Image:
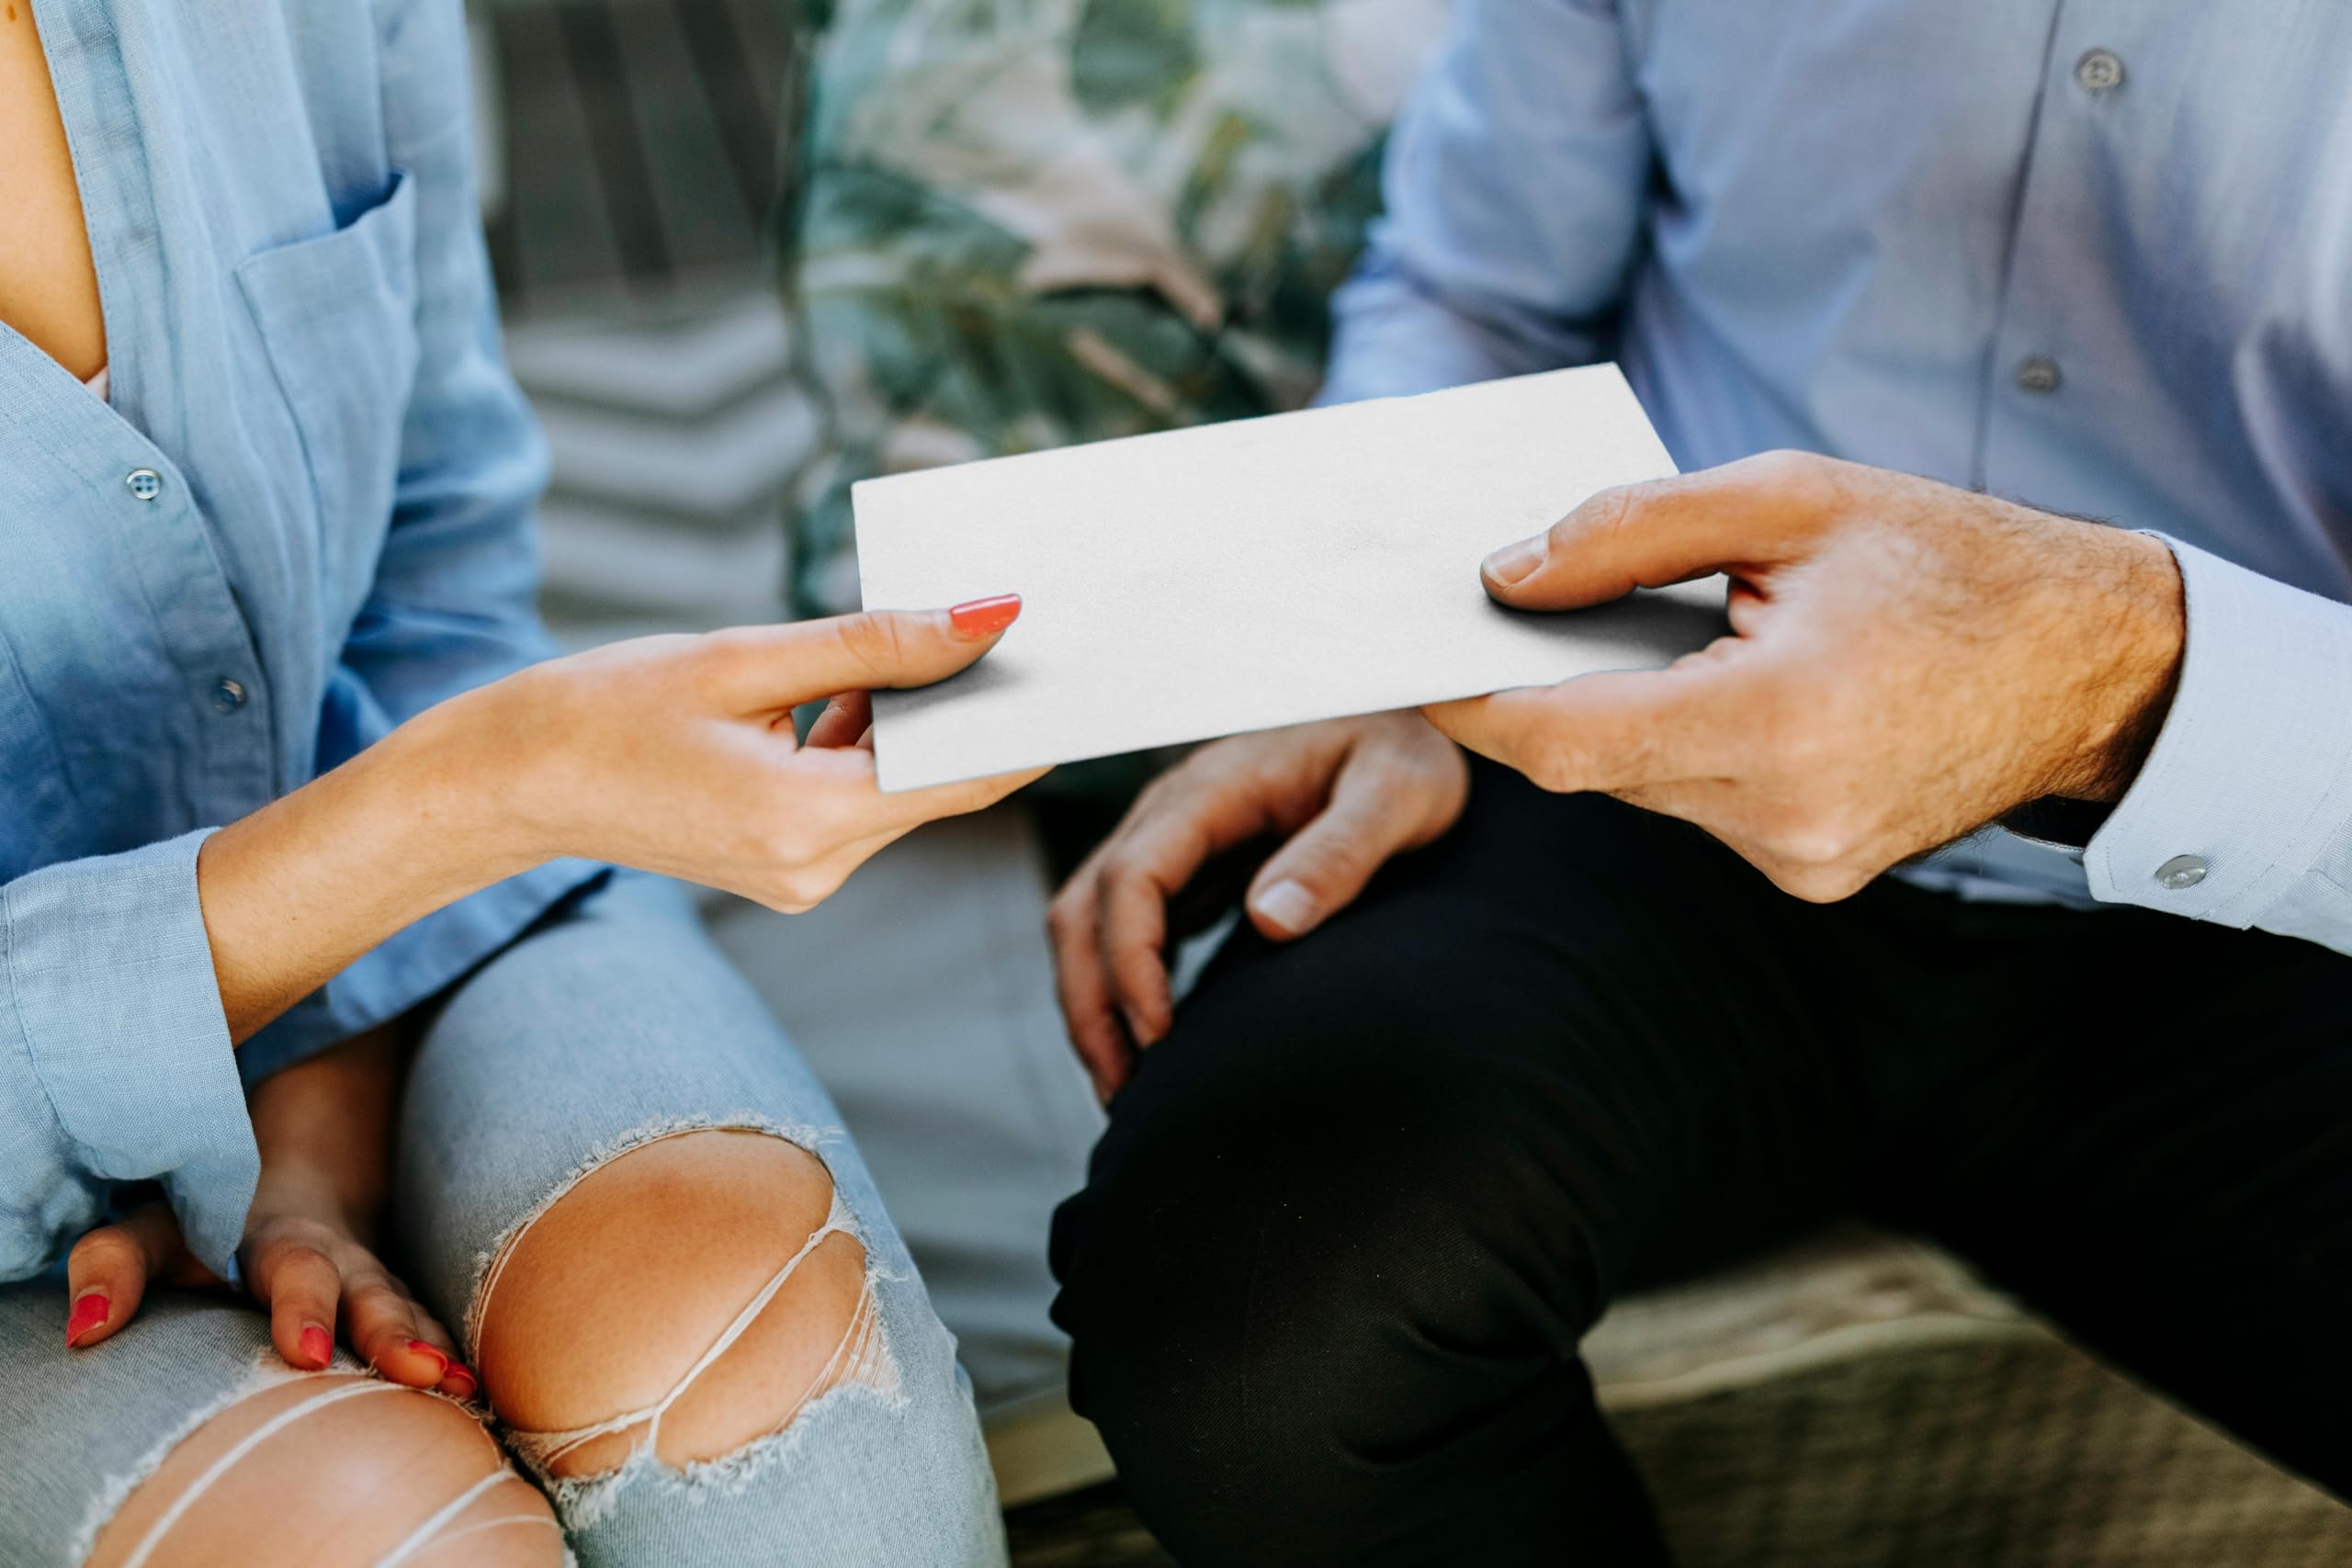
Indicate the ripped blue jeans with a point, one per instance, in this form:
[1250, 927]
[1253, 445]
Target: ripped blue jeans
[611, 1025]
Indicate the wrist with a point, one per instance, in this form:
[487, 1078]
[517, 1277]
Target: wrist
[2132, 631]
[453, 772]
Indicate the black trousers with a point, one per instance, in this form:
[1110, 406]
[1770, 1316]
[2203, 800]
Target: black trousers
[1330, 1273]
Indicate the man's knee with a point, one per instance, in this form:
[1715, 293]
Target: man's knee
[690, 1296]
[329, 1472]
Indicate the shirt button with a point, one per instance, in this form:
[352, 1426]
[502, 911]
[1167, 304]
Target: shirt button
[2099, 71]
[2180, 872]
[144, 483]
[2038, 373]
[227, 696]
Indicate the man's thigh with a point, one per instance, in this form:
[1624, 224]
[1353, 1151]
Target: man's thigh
[2151, 1141]
[1587, 1037]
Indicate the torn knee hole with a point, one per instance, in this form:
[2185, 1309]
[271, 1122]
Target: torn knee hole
[348, 1470]
[682, 1300]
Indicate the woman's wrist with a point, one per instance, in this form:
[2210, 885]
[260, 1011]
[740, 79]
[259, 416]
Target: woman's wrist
[465, 772]
[297, 890]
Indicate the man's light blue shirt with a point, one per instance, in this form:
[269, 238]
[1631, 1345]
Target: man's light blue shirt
[2093, 256]
[305, 515]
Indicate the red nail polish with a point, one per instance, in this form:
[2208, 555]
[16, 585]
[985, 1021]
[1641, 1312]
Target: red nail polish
[465, 1381]
[316, 1345]
[422, 1348]
[984, 617]
[89, 1310]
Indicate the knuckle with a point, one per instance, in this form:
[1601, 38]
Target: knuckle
[1810, 479]
[1604, 516]
[110, 1248]
[876, 642]
[718, 658]
[1553, 766]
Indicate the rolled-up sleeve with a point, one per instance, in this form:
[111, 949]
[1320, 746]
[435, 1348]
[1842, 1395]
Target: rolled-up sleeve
[111, 1024]
[454, 602]
[1514, 187]
[2243, 813]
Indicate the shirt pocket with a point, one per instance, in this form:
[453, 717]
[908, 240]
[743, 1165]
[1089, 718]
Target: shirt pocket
[338, 319]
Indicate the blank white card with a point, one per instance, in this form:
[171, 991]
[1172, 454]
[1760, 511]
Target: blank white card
[1223, 577]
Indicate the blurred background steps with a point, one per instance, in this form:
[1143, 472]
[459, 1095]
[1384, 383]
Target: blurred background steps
[640, 142]
[630, 151]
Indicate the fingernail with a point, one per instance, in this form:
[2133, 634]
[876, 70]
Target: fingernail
[1512, 563]
[422, 1348]
[977, 619]
[318, 1347]
[464, 1379]
[89, 1311]
[1287, 906]
[1135, 1029]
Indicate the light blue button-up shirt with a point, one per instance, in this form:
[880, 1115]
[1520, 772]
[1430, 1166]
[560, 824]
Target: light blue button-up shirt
[305, 516]
[2094, 255]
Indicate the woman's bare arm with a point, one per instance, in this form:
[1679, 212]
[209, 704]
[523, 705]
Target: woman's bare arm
[672, 754]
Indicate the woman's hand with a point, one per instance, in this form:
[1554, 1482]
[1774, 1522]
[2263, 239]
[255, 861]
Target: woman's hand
[676, 754]
[323, 1126]
[1346, 796]
[672, 754]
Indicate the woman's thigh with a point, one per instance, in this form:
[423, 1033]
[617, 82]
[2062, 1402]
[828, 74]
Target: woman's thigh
[183, 1440]
[687, 1303]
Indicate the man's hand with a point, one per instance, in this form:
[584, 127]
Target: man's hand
[1347, 795]
[1907, 662]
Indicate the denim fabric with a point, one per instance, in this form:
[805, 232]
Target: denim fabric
[614, 1024]
[304, 516]
[2093, 254]
[611, 1021]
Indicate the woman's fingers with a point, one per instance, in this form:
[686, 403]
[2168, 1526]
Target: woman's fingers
[844, 719]
[296, 1280]
[458, 1380]
[388, 1331]
[767, 669]
[107, 1272]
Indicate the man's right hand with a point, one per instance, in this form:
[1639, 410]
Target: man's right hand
[1346, 796]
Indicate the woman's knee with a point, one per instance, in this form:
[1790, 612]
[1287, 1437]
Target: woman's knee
[689, 1296]
[333, 1472]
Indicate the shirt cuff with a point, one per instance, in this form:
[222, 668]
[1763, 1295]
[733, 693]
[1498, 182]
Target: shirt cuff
[2247, 778]
[110, 970]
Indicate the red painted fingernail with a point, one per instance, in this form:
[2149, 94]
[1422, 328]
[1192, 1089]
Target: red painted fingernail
[89, 1311]
[422, 1348]
[463, 1378]
[317, 1346]
[978, 618]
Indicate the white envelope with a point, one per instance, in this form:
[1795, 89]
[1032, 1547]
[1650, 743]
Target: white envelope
[1223, 577]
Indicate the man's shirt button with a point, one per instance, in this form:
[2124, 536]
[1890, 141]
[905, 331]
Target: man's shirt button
[2038, 373]
[2180, 873]
[227, 696]
[144, 483]
[2099, 71]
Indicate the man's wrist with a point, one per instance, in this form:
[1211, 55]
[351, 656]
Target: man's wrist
[2134, 632]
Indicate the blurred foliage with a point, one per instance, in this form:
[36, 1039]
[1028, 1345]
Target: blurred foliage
[1017, 224]
[1021, 223]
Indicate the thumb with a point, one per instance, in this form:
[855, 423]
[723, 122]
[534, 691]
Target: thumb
[1735, 518]
[767, 669]
[1327, 862]
[107, 1271]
